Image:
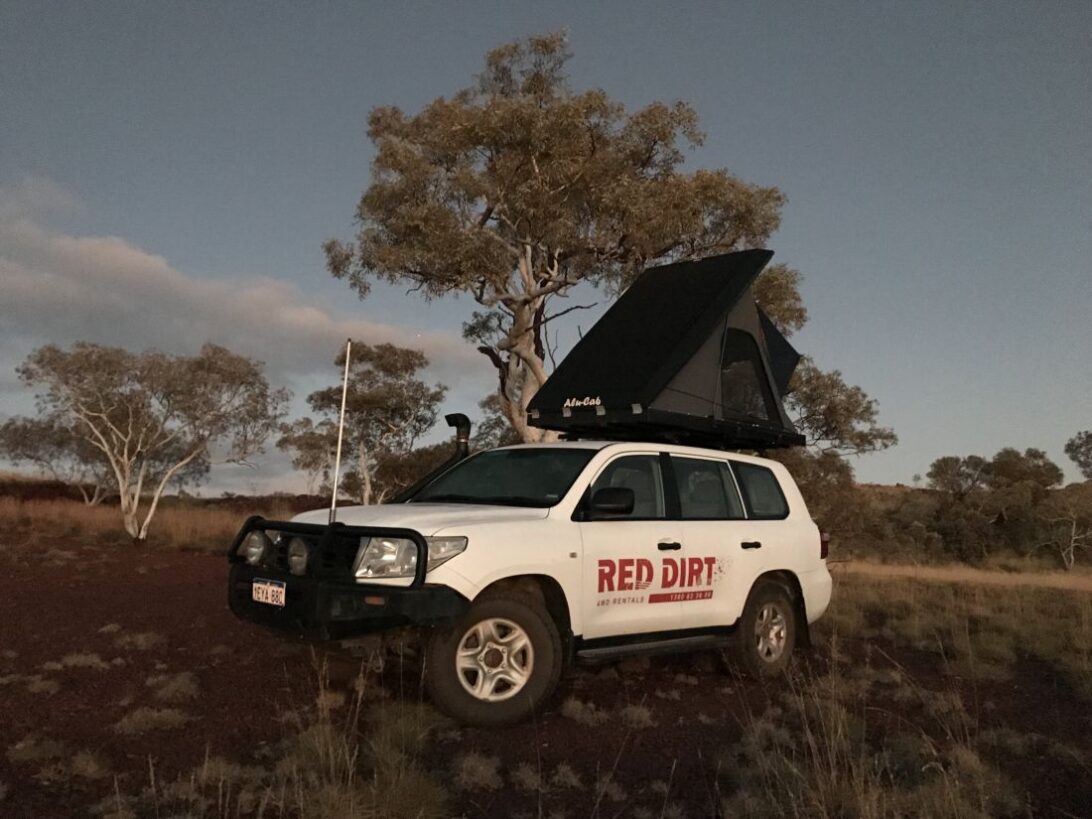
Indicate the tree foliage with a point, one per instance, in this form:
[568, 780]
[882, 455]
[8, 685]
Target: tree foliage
[834, 416]
[958, 476]
[387, 409]
[1079, 450]
[153, 416]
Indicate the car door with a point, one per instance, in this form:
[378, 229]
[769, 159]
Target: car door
[719, 560]
[624, 555]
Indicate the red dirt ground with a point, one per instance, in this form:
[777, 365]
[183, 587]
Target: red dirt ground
[56, 598]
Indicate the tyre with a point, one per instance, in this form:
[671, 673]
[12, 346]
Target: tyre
[497, 664]
[767, 631]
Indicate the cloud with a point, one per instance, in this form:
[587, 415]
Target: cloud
[63, 288]
[60, 288]
[34, 196]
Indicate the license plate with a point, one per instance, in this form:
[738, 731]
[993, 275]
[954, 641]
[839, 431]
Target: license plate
[270, 592]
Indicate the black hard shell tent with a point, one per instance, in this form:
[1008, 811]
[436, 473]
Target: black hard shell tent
[684, 356]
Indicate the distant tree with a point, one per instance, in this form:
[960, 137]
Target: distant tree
[517, 189]
[388, 408]
[155, 416]
[56, 450]
[397, 471]
[493, 428]
[313, 448]
[1010, 467]
[958, 476]
[1079, 449]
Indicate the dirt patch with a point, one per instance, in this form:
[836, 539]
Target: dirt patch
[639, 738]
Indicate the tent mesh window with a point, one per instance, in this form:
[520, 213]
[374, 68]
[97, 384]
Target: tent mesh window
[743, 388]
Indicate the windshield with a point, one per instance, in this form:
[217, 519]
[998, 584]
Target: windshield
[509, 477]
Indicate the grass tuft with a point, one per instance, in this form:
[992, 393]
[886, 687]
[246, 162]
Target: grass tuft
[637, 716]
[141, 641]
[477, 772]
[143, 719]
[175, 688]
[583, 712]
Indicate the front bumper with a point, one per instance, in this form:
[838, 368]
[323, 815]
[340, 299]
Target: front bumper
[330, 605]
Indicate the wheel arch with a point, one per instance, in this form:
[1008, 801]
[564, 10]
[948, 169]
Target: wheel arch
[545, 588]
[788, 581]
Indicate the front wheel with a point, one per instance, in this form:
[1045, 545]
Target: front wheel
[767, 631]
[498, 663]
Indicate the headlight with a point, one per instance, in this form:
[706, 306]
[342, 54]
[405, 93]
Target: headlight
[297, 556]
[383, 557]
[254, 547]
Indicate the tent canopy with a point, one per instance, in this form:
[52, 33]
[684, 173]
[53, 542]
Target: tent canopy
[684, 355]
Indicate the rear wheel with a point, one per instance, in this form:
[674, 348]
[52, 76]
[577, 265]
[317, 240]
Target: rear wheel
[498, 663]
[767, 631]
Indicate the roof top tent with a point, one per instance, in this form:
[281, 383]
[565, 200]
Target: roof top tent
[684, 356]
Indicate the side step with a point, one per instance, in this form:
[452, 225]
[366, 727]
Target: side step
[599, 651]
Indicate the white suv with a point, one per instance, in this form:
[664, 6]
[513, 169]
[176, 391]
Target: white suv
[520, 559]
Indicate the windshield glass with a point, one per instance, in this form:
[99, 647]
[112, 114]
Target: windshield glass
[509, 477]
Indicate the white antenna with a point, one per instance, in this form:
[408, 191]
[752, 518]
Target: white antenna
[340, 430]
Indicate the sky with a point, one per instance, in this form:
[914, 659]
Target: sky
[169, 171]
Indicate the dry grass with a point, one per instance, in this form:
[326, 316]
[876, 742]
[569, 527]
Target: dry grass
[637, 716]
[976, 633]
[565, 777]
[865, 739]
[180, 687]
[477, 772]
[141, 641]
[826, 749]
[34, 683]
[144, 719]
[174, 526]
[34, 748]
[337, 760]
[586, 713]
[84, 660]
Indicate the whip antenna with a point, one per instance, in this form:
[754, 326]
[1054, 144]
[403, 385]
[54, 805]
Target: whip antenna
[340, 430]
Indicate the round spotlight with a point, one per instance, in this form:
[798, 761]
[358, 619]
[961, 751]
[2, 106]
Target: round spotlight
[297, 556]
[255, 547]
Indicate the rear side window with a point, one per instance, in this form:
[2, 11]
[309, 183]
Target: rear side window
[761, 491]
[706, 490]
[641, 473]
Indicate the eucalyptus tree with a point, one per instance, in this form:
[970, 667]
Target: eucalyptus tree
[155, 416]
[388, 408]
[518, 189]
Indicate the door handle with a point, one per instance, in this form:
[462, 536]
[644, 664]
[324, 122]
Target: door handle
[671, 546]
[751, 544]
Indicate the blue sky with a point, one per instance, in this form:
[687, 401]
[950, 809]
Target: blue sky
[168, 173]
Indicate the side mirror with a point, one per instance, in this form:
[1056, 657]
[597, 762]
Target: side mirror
[611, 501]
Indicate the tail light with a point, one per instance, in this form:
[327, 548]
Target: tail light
[824, 545]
